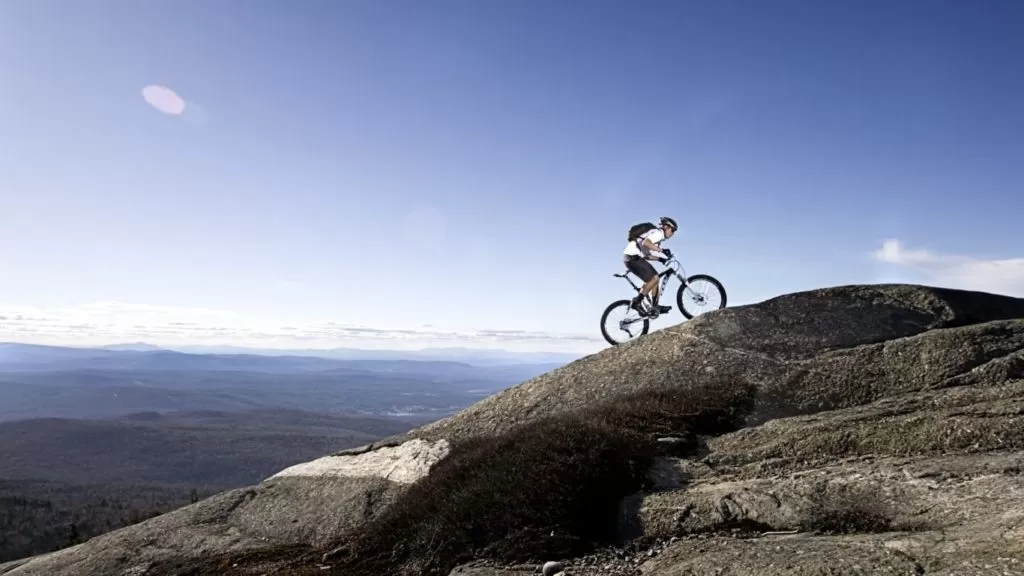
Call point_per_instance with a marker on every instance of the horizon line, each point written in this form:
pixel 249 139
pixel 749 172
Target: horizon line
pixel 180 347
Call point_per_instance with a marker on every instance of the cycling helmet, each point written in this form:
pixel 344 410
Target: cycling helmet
pixel 666 221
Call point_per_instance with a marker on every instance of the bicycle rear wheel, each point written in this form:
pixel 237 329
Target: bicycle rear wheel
pixel 703 291
pixel 624 322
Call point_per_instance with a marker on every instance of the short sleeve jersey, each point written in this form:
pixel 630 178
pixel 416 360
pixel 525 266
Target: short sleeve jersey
pixel 656 236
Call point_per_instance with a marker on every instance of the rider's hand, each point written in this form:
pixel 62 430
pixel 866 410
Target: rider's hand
pixel 666 252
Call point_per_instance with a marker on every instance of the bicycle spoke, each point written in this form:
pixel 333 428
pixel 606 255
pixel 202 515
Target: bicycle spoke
pixel 700 298
pixel 621 323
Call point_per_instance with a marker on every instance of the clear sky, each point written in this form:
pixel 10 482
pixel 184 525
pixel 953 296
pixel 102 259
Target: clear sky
pixel 467 170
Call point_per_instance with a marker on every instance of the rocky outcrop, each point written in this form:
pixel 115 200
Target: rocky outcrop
pixel 856 430
pixel 890 443
pixel 805 352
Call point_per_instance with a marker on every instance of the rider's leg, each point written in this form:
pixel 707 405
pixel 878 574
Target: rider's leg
pixel 656 294
pixel 645 290
pixel 643 269
pixel 651 287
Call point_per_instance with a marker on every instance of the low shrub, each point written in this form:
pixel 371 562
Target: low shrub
pixel 860 511
pixel 546 489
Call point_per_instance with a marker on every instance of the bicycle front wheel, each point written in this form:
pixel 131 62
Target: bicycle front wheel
pixel 704 293
pixel 625 323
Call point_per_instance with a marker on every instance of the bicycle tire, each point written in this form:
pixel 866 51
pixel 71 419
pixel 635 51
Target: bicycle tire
pixel 604 318
pixel 697 277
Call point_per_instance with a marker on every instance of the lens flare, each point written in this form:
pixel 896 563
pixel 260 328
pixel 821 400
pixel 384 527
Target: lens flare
pixel 163 99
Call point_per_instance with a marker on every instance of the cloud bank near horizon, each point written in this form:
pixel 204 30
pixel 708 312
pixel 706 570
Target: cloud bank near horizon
pixel 1000 276
pixel 102 323
pixel 110 322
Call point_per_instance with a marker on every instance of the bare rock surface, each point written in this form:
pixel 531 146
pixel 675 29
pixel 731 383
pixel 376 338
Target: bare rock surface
pixel 805 352
pixel 884 436
pixel 404 463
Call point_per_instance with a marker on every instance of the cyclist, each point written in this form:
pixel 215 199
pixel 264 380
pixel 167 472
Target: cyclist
pixel 647 246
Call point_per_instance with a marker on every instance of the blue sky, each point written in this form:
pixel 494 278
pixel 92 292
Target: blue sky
pixel 465 171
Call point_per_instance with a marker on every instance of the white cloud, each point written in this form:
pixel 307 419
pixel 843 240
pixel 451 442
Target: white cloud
pixel 107 322
pixel 1000 276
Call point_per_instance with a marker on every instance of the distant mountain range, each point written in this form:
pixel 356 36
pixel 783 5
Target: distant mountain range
pixel 136 347
pixel 477 356
pixel 39 381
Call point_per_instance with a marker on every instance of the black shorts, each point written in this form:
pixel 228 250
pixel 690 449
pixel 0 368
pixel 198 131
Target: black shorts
pixel 641 268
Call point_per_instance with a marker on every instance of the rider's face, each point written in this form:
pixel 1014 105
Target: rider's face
pixel 668 231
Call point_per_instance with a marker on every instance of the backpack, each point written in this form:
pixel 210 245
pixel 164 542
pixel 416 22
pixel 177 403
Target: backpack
pixel 636 230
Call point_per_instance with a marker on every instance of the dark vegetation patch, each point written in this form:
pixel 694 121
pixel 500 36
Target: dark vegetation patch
pixel 190 450
pixel 547 489
pixel 742 526
pixel 38 516
pixel 550 488
pixel 863 519
pixel 858 511
pixel 65 481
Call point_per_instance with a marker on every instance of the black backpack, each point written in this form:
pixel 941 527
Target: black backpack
pixel 637 229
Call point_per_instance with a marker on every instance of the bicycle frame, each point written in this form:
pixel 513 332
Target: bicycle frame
pixel 672 268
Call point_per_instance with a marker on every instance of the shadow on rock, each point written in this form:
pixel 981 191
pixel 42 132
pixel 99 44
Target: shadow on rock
pixel 551 488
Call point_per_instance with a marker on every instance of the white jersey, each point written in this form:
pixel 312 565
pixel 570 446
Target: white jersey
pixel 656 236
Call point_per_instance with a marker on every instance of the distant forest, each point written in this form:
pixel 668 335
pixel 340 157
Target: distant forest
pixel 64 481
pixel 41 516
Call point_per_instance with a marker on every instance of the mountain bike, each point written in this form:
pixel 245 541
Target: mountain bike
pixel 641 323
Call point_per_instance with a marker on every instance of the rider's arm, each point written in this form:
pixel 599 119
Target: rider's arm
pixel 651 247
pixel 653 250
